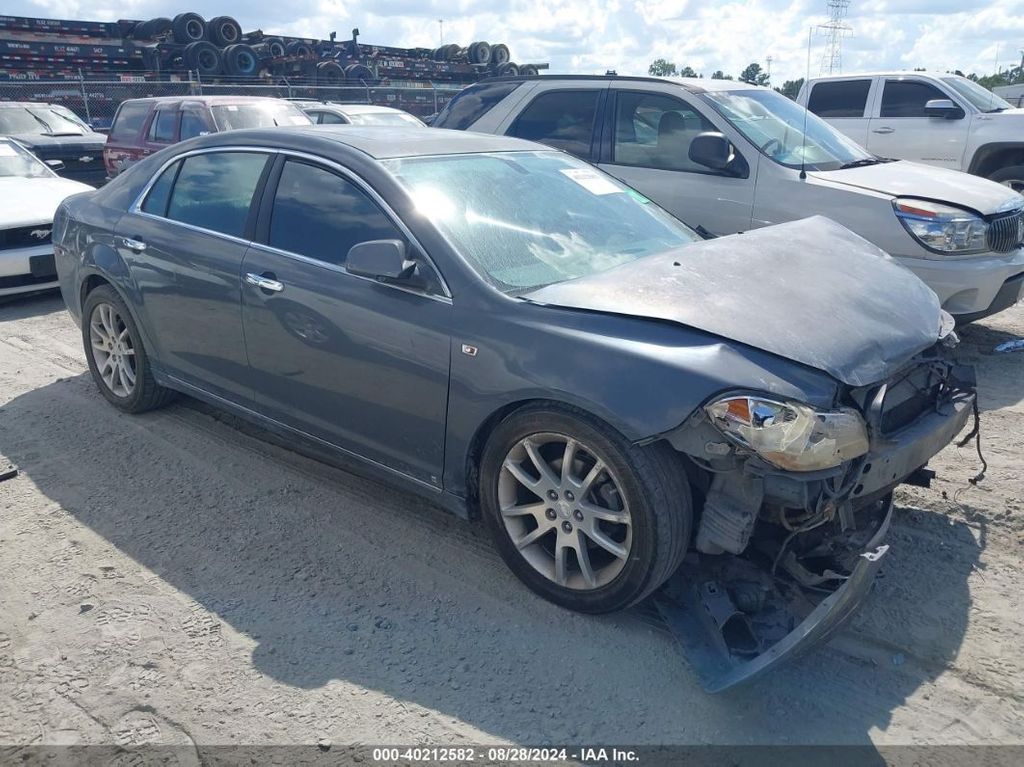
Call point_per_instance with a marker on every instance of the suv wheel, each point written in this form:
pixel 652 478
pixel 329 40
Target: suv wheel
pixel 1012 177
pixel 584 518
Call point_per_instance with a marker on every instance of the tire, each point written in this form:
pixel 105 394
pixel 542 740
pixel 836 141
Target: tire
pixel 358 72
pixel 1012 176
pixel 224 31
pixel 241 60
pixel 151 29
pixel 275 46
pixel 146 393
pixel 330 73
pixel 648 485
pixel 435 55
pixel 480 52
pixel 189 28
pixel 508 69
pixel 500 54
pixel 528 70
pixel 203 57
pixel 296 48
pixel 451 51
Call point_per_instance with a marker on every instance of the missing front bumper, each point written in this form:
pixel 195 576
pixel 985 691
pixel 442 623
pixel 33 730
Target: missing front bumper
pixel 735 620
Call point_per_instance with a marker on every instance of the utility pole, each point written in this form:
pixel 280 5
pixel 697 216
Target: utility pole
pixel 835 30
pixel 768 61
pixel 440 31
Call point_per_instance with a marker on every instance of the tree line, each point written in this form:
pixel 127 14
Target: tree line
pixel 752 73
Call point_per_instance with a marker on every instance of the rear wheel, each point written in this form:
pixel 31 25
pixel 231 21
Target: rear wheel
pixel 1013 177
pixel 581 516
pixel 116 356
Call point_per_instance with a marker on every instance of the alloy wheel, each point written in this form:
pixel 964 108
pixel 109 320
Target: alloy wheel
pixel 1016 184
pixel 564 510
pixel 113 349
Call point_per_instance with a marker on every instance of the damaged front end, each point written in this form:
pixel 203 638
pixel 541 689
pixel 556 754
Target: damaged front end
pixel 796 506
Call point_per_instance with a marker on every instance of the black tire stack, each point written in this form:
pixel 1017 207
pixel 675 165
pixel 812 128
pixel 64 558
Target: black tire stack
pixel 496 56
pixel 209 47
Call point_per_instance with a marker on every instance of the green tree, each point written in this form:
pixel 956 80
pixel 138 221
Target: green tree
pixel 687 72
pixel 753 74
pixel 718 74
pixel 661 68
pixel 791 88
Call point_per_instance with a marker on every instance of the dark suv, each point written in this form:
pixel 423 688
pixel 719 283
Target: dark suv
pixel 144 126
pixel 58 137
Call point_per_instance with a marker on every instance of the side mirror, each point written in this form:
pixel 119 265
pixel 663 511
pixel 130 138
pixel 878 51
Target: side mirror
pixel 712 150
pixel 382 260
pixel 55 165
pixel 943 108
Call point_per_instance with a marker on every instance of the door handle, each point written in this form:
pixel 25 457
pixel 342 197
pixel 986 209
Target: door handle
pixel 264 283
pixel 883 130
pixel 137 245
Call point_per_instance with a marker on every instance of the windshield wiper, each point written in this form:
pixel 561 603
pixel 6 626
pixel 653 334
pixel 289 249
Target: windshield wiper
pixel 994 110
pixel 861 163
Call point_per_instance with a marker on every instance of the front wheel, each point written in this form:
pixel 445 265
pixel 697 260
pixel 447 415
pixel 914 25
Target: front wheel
pixel 116 355
pixel 1012 177
pixel 584 518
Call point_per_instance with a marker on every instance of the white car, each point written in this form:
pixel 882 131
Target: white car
pixel 327 113
pixel 938 119
pixel 730 157
pixel 30 192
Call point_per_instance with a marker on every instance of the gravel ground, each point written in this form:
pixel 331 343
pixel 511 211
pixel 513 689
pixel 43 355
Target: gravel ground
pixel 172 578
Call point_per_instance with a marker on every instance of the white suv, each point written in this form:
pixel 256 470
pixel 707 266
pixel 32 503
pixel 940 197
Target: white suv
pixel 943 120
pixel 729 157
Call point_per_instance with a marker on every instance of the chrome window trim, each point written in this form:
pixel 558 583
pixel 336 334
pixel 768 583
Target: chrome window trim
pixel 136 208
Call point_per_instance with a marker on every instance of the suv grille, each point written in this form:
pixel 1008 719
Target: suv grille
pixel 25 236
pixel 1006 232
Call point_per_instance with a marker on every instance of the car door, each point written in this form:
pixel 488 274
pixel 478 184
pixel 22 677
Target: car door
pixel 844 105
pixel 354 362
pixel 184 245
pixel 648 135
pixel 903 130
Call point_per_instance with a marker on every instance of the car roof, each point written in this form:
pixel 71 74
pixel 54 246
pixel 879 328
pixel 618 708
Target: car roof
pixel 208 100
pixel 692 84
pixel 23 104
pixel 378 142
pixel 888 73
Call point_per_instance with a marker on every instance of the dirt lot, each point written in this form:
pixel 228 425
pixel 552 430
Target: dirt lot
pixel 171 578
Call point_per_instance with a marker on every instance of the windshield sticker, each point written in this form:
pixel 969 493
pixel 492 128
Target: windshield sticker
pixel 591 180
pixel 637 196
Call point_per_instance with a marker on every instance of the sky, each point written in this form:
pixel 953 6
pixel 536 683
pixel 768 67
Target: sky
pixel 592 36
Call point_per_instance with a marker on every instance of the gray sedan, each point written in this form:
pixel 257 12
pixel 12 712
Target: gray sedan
pixel 510 332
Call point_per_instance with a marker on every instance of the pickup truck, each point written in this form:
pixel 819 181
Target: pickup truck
pixel 938 119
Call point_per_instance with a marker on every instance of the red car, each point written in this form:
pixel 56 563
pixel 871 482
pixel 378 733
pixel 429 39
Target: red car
pixel 144 126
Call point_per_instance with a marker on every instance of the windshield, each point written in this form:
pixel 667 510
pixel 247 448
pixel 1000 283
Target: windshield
pixel 979 97
pixel 37 120
pixel 785 132
pixel 384 118
pixel 264 115
pixel 528 219
pixel 15 160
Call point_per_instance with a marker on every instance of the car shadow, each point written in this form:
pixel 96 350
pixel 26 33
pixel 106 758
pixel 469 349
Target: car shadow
pixel 23 305
pixel 334 576
pixel 1001 373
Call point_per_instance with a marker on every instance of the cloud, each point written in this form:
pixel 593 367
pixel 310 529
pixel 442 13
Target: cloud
pixel 592 36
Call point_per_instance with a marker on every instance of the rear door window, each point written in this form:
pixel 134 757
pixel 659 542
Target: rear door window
pixel 128 120
pixel 215 190
pixel 160 193
pixel 842 98
pixel 562 119
pixel 164 126
pixel 906 98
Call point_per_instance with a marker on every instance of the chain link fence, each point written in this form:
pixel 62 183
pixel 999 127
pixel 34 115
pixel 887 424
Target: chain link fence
pixel 96 101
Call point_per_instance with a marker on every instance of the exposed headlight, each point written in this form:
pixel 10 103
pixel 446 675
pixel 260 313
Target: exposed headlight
pixel 942 228
pixel 791 435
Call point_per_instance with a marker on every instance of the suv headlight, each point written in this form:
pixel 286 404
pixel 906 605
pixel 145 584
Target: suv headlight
pixel 942 228
pixel 791 435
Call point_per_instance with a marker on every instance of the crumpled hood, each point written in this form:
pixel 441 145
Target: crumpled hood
pixel 911 179
pixel 28 201
pixel 811 291
pixel 84 141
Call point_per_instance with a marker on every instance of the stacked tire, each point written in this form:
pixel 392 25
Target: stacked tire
pixel 209 47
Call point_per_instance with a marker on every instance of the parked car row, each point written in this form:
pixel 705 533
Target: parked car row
pixel 730 157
